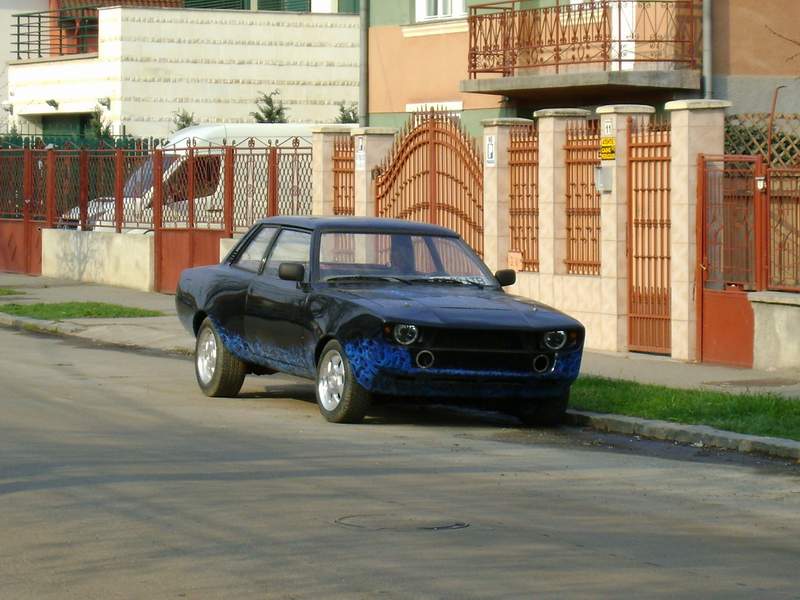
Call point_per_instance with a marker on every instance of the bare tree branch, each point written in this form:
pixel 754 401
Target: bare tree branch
pixel 786 39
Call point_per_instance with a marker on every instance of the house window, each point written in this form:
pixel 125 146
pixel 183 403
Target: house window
pixel 428 10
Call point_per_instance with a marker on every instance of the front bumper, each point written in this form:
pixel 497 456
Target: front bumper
pixel 384 368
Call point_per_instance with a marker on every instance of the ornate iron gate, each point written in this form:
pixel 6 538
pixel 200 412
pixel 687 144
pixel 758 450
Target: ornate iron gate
pixel 649 289
pixel 26 176
pixel 434 173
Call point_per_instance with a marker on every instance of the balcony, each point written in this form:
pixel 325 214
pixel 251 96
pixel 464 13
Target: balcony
pixel 625 44
pixel 67 31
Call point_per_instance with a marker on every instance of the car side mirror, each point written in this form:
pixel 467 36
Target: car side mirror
pixel 506 277
pixel 291 271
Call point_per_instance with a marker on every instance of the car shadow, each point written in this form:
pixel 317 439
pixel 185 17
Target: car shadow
pixel 390 411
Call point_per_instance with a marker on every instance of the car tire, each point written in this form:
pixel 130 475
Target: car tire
pixel 339 396
pixel 219 373
pixel 545 412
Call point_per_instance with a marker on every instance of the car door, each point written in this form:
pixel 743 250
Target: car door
pixel 277 317
pixel 229 297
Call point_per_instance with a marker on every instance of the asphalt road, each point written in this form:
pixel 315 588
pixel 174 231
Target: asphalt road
pixel 118 479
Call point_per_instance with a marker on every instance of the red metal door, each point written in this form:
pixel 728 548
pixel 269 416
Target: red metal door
pixel 728 213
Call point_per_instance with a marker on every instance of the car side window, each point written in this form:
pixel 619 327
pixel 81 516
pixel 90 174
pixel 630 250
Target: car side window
pixel 250 258
pixel 292 246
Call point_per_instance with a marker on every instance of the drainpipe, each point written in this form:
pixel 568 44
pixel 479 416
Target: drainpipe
pixel 363 76
pixel 708 85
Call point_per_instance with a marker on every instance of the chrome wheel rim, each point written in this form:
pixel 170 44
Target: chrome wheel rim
pixel 206 356
pixel 331 381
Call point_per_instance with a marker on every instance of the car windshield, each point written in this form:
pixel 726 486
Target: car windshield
pixel 399 258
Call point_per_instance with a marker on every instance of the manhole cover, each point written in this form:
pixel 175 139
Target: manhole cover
pixel 776 382
pixel 399 523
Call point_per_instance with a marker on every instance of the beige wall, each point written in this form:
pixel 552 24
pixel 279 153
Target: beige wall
pixel 152 62
pixel 419 68
pixel 776 343
pixel 124 260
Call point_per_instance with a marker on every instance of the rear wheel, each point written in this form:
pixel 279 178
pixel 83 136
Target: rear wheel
pixel 219 373
pixel 339 396
pixel 546 412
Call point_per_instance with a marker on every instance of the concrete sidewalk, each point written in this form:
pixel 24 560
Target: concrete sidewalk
pixel 166 334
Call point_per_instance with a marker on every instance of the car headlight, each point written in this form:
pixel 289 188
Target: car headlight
pixel 405 333
pixel 555 340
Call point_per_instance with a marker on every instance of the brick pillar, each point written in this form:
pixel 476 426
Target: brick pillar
pixel 614 219
pixel 372 144
pixel 322 167
pixel 698 127
pixel 496 188
pixel 552 195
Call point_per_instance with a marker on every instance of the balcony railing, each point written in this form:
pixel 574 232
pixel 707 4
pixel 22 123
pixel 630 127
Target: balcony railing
pixel 607 35
pixel 68 30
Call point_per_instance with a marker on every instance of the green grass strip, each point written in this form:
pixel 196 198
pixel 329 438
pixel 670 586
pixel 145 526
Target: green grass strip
pixel 76 310
pixel 10 292
pixel 755 414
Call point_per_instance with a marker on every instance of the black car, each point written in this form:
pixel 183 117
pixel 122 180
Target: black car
pixel 371 307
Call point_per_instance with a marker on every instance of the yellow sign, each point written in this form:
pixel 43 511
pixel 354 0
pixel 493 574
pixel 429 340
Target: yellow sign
pixel 608 148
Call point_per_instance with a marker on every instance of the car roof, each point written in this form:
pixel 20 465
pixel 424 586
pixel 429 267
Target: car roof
pixel 361 224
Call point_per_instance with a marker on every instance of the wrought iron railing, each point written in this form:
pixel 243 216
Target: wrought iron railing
pixel 67 31
pixel 607 35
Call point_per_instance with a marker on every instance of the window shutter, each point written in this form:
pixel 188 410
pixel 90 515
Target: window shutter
pixel 218 4
pixel 287 5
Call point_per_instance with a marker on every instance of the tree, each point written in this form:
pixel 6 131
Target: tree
pixel 182 119
pixel 99 128
pixel 347 113
pixel 270 111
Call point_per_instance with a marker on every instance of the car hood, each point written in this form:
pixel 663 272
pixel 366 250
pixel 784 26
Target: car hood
pixel 446 305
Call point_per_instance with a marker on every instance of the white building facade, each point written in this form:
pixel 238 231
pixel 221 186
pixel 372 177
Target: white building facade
pixel 147 64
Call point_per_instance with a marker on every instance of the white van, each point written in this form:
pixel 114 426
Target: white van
pixel 250 179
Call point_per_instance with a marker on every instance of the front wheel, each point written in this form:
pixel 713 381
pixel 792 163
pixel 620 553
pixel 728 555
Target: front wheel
pixel 339 396
pixel 219 373
pixel 546 412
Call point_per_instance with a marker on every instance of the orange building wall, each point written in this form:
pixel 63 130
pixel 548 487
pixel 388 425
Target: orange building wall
pixel 418 69
pixel 744 46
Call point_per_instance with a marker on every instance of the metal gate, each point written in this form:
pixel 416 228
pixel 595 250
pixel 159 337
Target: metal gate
pixel 24 177
pixel 729 210
pixel 649 289
pixel 434 173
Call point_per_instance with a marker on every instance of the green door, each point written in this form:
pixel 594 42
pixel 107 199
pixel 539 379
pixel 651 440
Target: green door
pixel 65 125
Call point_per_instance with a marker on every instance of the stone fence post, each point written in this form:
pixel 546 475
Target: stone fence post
pixel 698 127
pixel 322 167
pixel 372 144
pixel 614 216
pixel 496 189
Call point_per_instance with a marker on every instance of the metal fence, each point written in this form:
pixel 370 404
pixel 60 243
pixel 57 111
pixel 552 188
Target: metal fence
pixel 582 198
pixel 344 175
pixel 649 285
pixel 523 163
pixel 204 187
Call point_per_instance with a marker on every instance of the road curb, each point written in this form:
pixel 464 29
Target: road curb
pixel 697 435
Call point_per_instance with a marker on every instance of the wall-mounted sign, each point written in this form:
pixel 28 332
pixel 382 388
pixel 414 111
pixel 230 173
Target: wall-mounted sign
pixel 361 154
pixel 490 152
pixel 608 127
pixel 608 148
